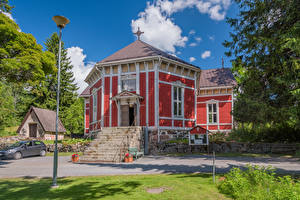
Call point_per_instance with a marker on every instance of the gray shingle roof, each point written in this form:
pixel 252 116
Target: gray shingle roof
pixel 139 49
pixel 217 78
pixel 86 92
pixel 47 119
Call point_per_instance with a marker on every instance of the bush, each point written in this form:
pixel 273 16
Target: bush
pixel 265 133
pixel 258 183
pixel 69 141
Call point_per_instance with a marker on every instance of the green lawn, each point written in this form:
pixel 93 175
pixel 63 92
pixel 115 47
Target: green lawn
pixel 64 153
pixel 178 186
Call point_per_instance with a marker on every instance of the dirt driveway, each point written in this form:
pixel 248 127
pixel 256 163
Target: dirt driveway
pixel 43 166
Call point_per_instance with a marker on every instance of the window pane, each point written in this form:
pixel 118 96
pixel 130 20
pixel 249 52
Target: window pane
pixel 179 109
pixel 215 107
pixel 215 118
pixel 175 93
pixel 175 108
pixel 129 84
pixel 210 118
pixel 179 93
pixel 209 108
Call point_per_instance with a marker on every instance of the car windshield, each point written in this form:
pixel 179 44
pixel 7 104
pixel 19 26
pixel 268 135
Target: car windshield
pixel 17 144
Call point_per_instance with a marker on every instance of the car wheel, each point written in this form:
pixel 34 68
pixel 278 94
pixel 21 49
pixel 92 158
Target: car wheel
pixel 17 156
pixel 42 153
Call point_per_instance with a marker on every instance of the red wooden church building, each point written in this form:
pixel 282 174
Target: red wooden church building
pixel 141 85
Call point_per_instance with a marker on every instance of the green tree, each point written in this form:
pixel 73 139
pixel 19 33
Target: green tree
pixel 4 7
pixel 21 58
pixel 74 117
pixel 266 46
pixel 45 93
pixel 7 109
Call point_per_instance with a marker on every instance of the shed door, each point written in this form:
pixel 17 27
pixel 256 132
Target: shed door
pixel 32 130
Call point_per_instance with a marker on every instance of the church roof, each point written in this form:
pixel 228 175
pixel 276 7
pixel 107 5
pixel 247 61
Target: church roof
pixel 217 78
pixel 139 49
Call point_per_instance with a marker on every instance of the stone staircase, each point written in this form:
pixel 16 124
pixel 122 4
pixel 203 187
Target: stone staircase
pixel 112 143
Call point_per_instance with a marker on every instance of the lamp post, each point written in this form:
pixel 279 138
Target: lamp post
pixel 61 23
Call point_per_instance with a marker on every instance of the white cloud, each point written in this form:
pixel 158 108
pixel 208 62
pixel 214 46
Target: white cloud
pixel 192 59
pixel 80 68
pixel 8 15
pixel 192 32
pixel 205 54
pixel 211 37
pixel 214 13
pixel 198 39
pixel 216 9
pixel 160 30
pixel 193 44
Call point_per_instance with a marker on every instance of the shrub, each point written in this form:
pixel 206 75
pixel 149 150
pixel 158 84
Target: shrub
pixel 265 133
pixel 258 183
pixel 68 141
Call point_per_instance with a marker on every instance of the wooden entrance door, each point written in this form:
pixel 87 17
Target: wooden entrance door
pixel 128 115
pixel 124 115
pixel 32 130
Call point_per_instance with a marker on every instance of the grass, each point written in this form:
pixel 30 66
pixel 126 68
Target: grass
pixel 9 131
pixel 64 153
pixel 177 186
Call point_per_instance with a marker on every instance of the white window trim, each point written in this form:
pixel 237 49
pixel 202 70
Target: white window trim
pixel 129 77
pixel 217 112
pixel 95 101
pixel 177 102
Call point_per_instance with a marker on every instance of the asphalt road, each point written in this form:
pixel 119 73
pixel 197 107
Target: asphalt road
pixel 43 166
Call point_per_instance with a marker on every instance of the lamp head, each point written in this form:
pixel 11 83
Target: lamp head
pixel 60 21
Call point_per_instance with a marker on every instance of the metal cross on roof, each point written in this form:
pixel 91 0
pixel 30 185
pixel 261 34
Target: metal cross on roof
pixel 138 33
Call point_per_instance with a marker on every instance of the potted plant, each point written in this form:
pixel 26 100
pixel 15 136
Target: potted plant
pixel 75 157
pixel 128 158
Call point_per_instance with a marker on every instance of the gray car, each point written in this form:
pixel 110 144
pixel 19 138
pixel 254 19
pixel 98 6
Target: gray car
pixel 24 149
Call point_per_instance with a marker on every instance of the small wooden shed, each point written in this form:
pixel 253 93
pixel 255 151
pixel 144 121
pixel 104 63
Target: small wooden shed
pixel 40 123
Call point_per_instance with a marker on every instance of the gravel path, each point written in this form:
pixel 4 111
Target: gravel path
pixel 43 166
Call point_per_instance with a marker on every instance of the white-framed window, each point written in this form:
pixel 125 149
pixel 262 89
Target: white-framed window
pixel 212 113
pixel 177 101
pixel 94 106
pixel 128 82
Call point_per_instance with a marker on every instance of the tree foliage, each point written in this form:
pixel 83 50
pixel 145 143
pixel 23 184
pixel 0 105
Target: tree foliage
pixel 266 46
pixel 7 109
pixel 21 58
pixel 4 6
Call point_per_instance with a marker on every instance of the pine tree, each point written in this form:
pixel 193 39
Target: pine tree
pixel 46 92
pixel 266 46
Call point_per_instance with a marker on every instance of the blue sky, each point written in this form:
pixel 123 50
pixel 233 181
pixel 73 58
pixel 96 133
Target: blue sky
pixel 190 29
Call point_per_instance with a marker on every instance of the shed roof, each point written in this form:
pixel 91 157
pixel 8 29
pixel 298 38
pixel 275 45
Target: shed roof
pixel 47 119
pixel 216 78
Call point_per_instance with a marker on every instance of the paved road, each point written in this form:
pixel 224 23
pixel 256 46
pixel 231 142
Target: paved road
pixel 42 166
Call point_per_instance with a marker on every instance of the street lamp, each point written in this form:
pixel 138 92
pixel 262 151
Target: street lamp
pixel 61 22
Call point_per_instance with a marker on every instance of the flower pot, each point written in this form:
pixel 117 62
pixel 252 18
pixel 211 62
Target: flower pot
pixel 126 159
pixel 75 158
pixel 130 159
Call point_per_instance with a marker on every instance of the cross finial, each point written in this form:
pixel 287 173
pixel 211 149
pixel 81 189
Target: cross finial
pixel 139 33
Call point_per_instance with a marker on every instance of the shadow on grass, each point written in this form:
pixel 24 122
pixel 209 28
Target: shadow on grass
pixel 29 188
